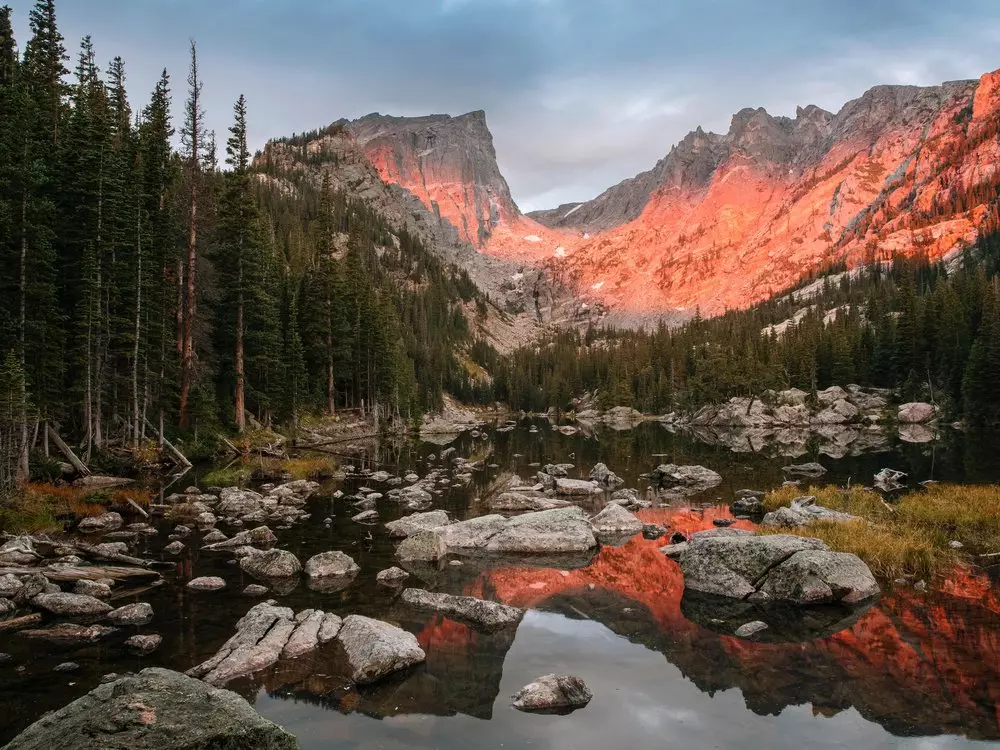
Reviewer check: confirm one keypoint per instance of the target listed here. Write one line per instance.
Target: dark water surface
(915, 670)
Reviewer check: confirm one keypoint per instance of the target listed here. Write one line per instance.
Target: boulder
(685, 479)
(71, 605)
(820, 577)
(329, 628)
(98, 524)
(261, 536)
(840, 411)
(471, 534)
(606, 478)
(391, 576)
(174, 548)
(144, 644)
(254, 589)
(155, 710)
(576, 487)
(206, 583)
(334, 563)
(96, 589)
(19, 551)
(803, 511)
(366, 516)
(916, 413)
(513, 502)
(831, 395)
(10, 584)
(274, 563)
(547, 531)
(140, 613)
(792, 397)
(236, 502)
(791, 415)
(417, 522)
(889, 480)
(376, 649)
(747, 503)
(812, 469)
(261, 635)
(614, 520)
(305, 637)
(483, 614)
(553, 694)
(781, 568)
(426, 546)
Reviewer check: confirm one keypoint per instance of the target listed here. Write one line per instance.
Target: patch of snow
(572, 211)
(560, 252)
(597, 286)
(532, 238)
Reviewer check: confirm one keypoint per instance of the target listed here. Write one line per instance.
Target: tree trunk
(23, 470)
(136, 426)
(330, 386)
(240, 405)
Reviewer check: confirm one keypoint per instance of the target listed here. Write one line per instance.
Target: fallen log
(178, 457)
(8, 626)
(72, 573)
(138, 508)
(76, 463)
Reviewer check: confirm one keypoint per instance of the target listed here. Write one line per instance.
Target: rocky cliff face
(728, 220)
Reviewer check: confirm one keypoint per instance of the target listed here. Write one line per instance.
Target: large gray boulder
(819, 577)
(553, 694)
(417, 522)
(275, 563)
(305, 637)
(155, 710)
(258, 537)
(139, 613)
(471, 534)
(685, 479)
(576, 487)
(547, 531)
(916, 413)
(376, 649)
(606, 478)
(614, 520)
(781, 567)
(71, 605)
(261, 635)
(99, 524)
(237, 502)
(334, 563)
(483, 614)
(426, 546)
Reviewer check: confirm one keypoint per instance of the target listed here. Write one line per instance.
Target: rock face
(774, 568)
(155, 710)
(483, 614)
(553, 694)
(376, 649)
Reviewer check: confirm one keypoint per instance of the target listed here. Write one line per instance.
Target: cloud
(579, 93)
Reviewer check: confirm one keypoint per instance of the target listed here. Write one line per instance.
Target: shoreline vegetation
(925, 532)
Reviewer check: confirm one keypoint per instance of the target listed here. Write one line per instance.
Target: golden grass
(908, 538)
(298, 468)
(309, 468)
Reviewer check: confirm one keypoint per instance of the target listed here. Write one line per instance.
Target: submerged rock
(155, 710)
(553, 693)
(376, 649)
(479, 612)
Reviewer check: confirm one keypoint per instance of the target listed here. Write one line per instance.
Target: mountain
(724, 221)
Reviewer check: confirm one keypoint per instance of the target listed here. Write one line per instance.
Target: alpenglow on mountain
(723, 220)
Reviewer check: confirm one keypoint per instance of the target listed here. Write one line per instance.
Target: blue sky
(579, 94)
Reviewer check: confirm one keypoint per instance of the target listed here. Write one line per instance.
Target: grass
(909, 538)
(230, 476)
(298, 468)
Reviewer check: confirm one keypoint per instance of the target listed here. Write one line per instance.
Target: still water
(915, 670)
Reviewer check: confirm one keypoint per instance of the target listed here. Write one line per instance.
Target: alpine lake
(917, 668)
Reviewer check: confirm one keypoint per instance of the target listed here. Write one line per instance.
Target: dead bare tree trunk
(136, 425)
(193, 132)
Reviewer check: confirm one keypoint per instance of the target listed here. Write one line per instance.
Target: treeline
(145, 287)
(912, 325)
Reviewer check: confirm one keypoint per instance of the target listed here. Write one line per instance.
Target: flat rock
(255, 589)
(483, 614)
(576, 487)
(376, 649)
(333, 563)
(426, 546)
(140, 613)
(305, 637)
(96, 524)
(261, 635)
(366, 516)
(471, 534)
(916, 412)
(95, 589)
(71, 605)
(206, 583)
(750, 629)
(685, 479)
(417, 522)
(514, 502)
(553, 694)
(261, 536)
(547, 531)
(820, 577)
(154, 710)
(329, 628)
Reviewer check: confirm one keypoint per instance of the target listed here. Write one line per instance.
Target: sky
(579, 94)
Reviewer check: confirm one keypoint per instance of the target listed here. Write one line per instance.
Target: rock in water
(71, 605)
(812, 469)
(154, 710)
(553, 694)
(274, 563)
(479, 612)
(306, 635)
(331, 564)
(750, 629)
(140, 613)
(916, 413)
(606, 478)
(144, 644)
(261, 635)
(375, 649)
(391, 576)
(818, 577)
(685, 479)
(414, 524)
(207, 583)
(576, 487)
(614, 519)
(545, 532)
